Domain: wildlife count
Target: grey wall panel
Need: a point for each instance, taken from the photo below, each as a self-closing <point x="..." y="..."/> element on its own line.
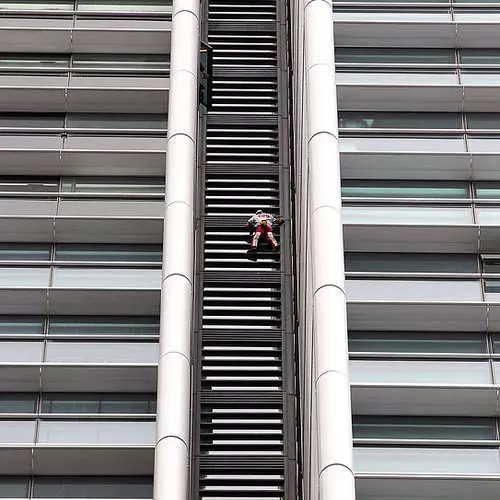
<point x="425" y="460"/>
<point x="21" y="352"/>
<point x="27" y="207"/>
<point x="87" y="378"/>
<point x="401" y="165"/>
<point x="17" y="431"/>
<point x="73" y="230"/>
<point x="410" y="238"/>
<point x="418" y="317"/>
<point x="101" y="352"/>
<point x="26" y="229"/>
<point x="412" y="290"/>
<point x="16" y="460"/>
<point x="93" y="433"/>
<point x="431" y="401"/>
<point x="104" y="302"/>
<point x="22" y="301"/>
<point x="25" y="378"/>
<point x="109" y="208"/>
<point x="94" y="142"/>
<point x="465" y="488"/>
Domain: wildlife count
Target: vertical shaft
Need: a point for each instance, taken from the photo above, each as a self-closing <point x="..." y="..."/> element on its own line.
<point x="331" y="381"/>
<point x="174" y="367"/>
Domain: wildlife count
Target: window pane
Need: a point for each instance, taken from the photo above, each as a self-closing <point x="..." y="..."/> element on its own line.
<point x="111" y="278"/>
<point x="487" y="190"/>
<point x="108" y="253"/>
<point x="128" y="403"/>
<point x="120" y="61"/>
<point x="394" y="56"/>
<point x="27" y="120"/>
<point x="17" y="403"/>
<point x="34" y="252"/>
<point x="424" y="428"/>
<point x="492" y="286"/>
<point x="12" y="325"/>
<point x="115" y="185"/>
<point x="33" y="61"/>
<point x="89" y="487"/>
<point x="26" y="185"/>
<point x="480" y="56"/>
<point x="125" y="5"/>
<point x="102" y="326"/>
<point x="34" y="5"/>
<point x="483" y="120"/>
<point x="366" y="119"/>
<point x="417" y="342"/>
<point x="404" y="189"/>
<point x="411" y="262"/>
<point x="62" y="403"/>
<point x="13" y="487"/>
<point x="130" y="121"/>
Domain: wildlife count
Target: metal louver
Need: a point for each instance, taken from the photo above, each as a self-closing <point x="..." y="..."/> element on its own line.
<point x="245" y="429"/>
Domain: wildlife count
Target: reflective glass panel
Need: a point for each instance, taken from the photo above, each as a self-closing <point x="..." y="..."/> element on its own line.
<point x="404" y="189"/>
<point x="93" y="487"/>
<point x="12" y="184"/>
<point x="369" y="427"/>
<point x="26" y="120"/>
<point x="69" y="403"/>
<point x="120" y="61"/>
<point x="124" y="5"/>
<point x="13" y="487"/>
<point x="483" y="120"/>
<point x="114" y="185"/>
<point x="417" y="342"/>
<point x="492" y="286"/>
<point x="110" y="278"/>
<point x="17" y="403"/>
<point x="379" y="119"/>
<point x="104" y="326"/>
<point x="128" y="403"/>
<point x="480" y="56"/>
<point x="487" y="190"/>
<point x="33" y="61"/>
<point x="116" y="121"/>
<point x="36" y="5"/>
<point x="496" y="343"/>
<point x="411" y="262"/>
<point x="108" y="253"/>
<point x="367" y="55"/>
<point x="14" y="325"/>
<point x="31" y="252"/>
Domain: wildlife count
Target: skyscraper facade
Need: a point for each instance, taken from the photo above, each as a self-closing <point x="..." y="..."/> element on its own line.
<point x="142" y="355"/>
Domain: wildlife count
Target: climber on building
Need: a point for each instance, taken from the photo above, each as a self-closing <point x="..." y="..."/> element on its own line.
<point x="259" y="224"/>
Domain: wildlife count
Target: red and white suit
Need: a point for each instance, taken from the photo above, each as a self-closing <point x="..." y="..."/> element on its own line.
<point x="263" y="224"/>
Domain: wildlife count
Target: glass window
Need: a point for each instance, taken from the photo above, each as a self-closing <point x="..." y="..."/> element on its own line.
<point x="487" y="190"/>
<point x="492" y="286"/>
<point x="405" y="189"/>
<point x="107" y="253"/>
<point x="102" y="326"/>
<point x="367" y="55"/>
<point x="105" y="277"/>
<point x="33" y="61"/>
<point x="491" y="263"/>
<point x="8" y="184"/>
<point x="452" y="428"/>
<point x="17" y="403"/>
<point x="99" y="403"/>
<point x="116" y="121"/>
<point x="69" y="403"/>
<point x="18" y="325"/>
<point x="411" y="263"/>
<point x="93" y="487"/>
<point x="115" y="185"/>
<point x="483" y="57"/>
<point x="483" y="120"/>
<point x="36" y="5"/>
<point x="164" y="6"/>
<point x="31" y="252"/>
<point x="11" y="487"/>
<point x="120" y="61"/>
<point x="496" y="343"/>
<point x="26" y="120"/>
<point x="417" y="342"/>
<point x="381" y="120"/>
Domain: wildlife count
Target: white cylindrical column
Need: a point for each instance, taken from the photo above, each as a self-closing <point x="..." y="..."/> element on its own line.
<point x="330" y="358"/>
<point x="171" y="476"/>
